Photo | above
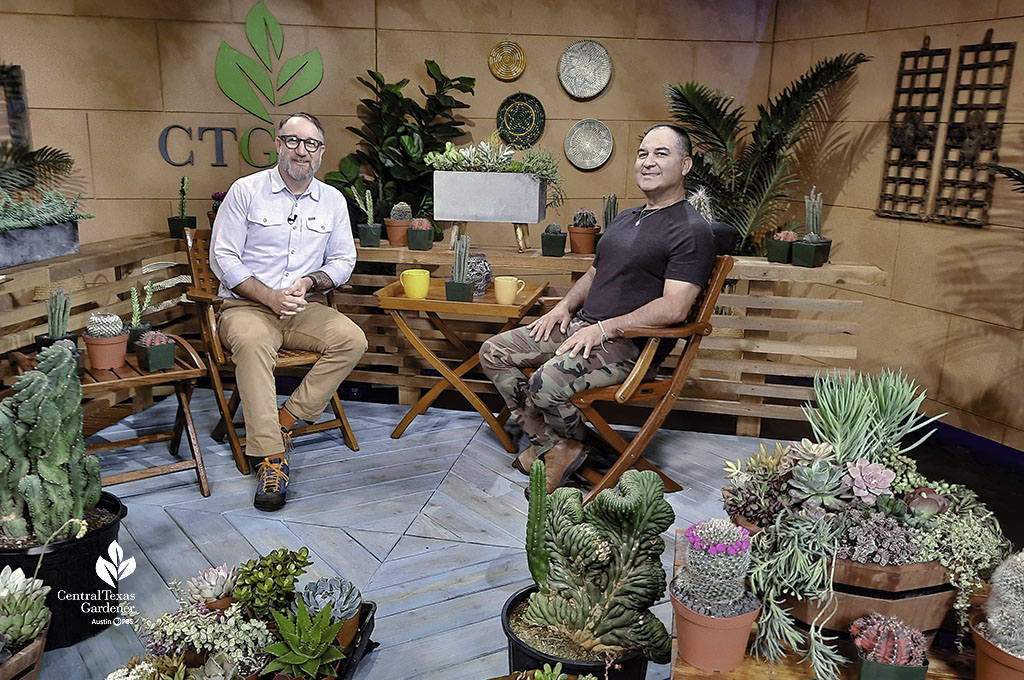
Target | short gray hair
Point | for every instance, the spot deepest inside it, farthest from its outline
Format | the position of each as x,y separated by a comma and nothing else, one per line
302,114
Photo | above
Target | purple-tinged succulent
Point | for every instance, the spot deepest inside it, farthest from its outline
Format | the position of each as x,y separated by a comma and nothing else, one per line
868,480
926,502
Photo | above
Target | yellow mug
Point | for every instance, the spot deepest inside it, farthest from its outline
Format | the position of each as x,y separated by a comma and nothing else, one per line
506,288
416,283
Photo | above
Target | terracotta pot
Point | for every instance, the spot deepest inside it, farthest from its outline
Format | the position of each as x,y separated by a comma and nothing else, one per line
396,231
221,604
992,662
25,665
347,634
195,659
106,353
710,644
581,239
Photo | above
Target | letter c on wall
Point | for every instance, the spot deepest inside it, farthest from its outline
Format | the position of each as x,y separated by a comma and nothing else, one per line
162,144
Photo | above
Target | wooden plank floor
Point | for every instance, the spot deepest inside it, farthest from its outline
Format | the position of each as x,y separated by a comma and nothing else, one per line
429,526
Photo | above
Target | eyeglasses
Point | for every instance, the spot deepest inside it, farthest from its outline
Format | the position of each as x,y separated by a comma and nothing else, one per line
292,142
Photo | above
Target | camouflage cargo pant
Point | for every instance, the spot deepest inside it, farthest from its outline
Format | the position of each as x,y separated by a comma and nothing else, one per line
541,402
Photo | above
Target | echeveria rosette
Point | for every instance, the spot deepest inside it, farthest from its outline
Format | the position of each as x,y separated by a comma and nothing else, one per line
927,502
867,480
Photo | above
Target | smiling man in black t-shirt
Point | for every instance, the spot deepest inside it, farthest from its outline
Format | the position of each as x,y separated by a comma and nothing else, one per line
650,266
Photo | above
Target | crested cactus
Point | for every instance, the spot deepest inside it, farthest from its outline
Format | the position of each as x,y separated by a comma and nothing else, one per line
886,639
717,560
138,309
58,312
154,338
104,325
609,208
461,264
23,612
45,476
868,480
213,583
338,595
536,525
1004,610
606,568
401,212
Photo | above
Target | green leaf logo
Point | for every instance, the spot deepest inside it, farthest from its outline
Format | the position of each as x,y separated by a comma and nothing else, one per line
243,79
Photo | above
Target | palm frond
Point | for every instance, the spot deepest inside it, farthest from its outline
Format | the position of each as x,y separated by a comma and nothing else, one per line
710,116
22,168
1013,174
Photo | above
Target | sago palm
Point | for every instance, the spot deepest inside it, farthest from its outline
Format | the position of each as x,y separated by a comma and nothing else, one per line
747,173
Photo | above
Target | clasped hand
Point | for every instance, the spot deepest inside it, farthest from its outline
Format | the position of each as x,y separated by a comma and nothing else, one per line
583,340
291,300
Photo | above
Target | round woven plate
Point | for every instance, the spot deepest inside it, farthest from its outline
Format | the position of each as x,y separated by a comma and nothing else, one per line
521,120
584,69
507,60
588,144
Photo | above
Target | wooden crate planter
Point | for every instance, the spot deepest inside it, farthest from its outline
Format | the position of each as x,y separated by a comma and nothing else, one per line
21,246
25,665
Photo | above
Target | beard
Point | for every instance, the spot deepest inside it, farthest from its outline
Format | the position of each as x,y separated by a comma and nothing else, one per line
300,172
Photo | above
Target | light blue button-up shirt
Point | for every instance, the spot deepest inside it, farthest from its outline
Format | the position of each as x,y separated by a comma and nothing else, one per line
263,230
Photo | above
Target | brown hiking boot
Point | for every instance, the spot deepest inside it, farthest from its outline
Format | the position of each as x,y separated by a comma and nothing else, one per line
561,460
525,460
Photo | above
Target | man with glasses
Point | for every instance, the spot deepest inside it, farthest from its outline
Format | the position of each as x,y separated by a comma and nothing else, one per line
282,239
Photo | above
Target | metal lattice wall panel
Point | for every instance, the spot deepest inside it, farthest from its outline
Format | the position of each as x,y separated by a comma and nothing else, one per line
975,126
913,128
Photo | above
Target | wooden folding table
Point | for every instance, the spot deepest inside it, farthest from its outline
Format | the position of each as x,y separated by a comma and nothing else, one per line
392,298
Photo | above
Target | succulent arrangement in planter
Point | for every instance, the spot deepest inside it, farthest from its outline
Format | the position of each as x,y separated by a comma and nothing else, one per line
999,633
813,249
341,598
176,226
369,231
458,288
420,234
597,571
583,232
309,645
155,351
24,618
889,649
552,241
136,327
851,514
780,246
398,224
714,610
106,341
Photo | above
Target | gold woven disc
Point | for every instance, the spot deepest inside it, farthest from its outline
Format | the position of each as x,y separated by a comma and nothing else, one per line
507,60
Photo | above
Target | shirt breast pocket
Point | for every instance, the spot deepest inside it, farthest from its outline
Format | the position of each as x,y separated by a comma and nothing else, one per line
264,218
318,226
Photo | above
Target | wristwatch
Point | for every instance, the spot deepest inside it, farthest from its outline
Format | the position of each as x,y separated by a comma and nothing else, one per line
310,277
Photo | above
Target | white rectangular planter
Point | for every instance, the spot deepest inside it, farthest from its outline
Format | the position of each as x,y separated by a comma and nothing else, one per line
20,246
488,197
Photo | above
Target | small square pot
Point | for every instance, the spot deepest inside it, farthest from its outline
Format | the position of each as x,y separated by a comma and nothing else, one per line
136,332
369,235
420,239
552,245
811,254
155,357
177,225
872,670
780,251
456,291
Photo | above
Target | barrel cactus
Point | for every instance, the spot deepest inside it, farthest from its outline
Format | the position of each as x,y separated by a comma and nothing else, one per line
45,476
1004,610
606,568
104,325
23,614
886,639
717,559
401,212
154,338
339,595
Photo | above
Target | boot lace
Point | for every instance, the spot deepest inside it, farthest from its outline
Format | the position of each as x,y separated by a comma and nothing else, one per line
272,474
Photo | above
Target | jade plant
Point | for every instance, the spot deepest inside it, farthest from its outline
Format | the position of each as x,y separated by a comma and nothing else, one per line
308,647
266,583
338,595
45,477
604,567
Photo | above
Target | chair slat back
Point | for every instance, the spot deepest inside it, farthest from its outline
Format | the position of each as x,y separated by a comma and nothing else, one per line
203,278
703,308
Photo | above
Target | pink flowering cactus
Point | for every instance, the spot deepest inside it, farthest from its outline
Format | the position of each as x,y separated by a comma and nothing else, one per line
704,536
868,480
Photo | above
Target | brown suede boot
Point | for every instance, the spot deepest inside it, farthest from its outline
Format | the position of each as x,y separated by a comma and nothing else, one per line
525,460
561,460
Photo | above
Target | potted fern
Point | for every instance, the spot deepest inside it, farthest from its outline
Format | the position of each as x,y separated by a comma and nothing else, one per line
813,249
155,351
369,231
552,241
459,288
176,226
420,234
398,224
106,341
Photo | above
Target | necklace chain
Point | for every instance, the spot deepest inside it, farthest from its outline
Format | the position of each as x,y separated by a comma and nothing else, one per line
643,216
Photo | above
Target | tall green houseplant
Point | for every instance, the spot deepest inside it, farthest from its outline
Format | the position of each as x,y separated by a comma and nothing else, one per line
748,174
397,133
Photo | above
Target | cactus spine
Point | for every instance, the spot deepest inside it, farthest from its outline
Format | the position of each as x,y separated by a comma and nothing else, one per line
812,204
536,527
717,560
45,476
1004,610
104,326
606,568
183,197
58,311
459,267
153,338
886,639
609,208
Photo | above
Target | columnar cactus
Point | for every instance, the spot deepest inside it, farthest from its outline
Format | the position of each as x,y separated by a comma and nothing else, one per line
401,212
183,197
461,264
213,583
45,476
812,205
153,338
104,325
365,204
1004,610
606,567
58,311
138,309
609,208
886,639
336,594
717,560
536,527
23,614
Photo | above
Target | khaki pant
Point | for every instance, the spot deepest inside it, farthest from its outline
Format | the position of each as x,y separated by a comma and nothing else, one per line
254,335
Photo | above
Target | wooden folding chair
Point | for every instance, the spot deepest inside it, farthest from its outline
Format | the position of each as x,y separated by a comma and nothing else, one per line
203,292
663,392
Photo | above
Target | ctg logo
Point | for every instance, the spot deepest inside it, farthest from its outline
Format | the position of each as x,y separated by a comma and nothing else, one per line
116,568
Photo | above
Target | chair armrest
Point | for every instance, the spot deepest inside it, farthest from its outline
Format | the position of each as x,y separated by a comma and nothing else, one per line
636,376
670,332
548,301
196,295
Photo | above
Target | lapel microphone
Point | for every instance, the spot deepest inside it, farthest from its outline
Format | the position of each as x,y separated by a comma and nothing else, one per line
291,218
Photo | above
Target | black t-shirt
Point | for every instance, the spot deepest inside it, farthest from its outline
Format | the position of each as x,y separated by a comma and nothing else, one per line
633,261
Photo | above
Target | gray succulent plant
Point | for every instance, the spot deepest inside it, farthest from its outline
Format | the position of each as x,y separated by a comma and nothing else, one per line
212,584
336,594
817,485
220,666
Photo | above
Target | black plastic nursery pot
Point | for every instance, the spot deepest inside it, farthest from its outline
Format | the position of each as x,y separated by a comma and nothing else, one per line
458,291
176,226
522,657
779,251
872,670
811,254
369,235
80,602
155,357
552,245
420,239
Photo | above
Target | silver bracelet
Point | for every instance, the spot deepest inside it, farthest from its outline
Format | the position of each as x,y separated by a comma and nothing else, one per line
604,335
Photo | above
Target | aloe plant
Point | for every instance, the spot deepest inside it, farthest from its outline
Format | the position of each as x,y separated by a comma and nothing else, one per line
748,174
